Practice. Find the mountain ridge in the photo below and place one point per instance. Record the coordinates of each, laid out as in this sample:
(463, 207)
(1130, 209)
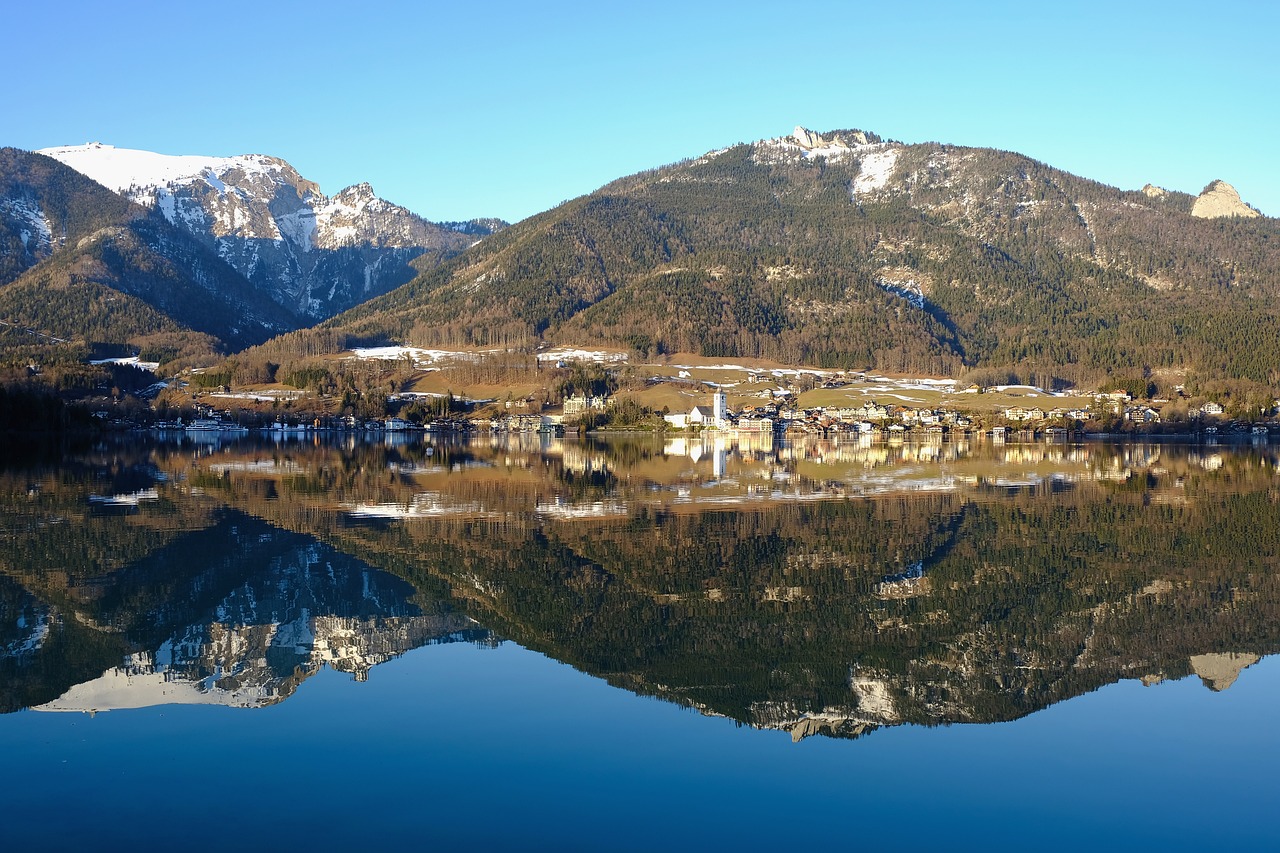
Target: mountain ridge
(315, 254)
(840, 249)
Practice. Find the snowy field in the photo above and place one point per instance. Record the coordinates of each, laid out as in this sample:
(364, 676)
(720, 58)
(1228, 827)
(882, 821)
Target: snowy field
(134, 361)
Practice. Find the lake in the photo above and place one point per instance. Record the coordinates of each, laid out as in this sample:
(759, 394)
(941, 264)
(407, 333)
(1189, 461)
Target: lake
(521, 642)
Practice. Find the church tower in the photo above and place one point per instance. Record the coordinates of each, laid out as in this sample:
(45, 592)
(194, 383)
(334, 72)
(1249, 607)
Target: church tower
(719, 408)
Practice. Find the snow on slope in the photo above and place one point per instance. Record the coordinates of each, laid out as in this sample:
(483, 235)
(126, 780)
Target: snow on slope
(876, 169)
(34, 230)
(875, 160)
(251, 196)
(122, 168)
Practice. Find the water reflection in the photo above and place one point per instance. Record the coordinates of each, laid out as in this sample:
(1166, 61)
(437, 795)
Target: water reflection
(818, 587)
(297, 610)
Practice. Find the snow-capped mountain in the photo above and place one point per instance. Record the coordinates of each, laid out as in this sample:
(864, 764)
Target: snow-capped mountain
(81, 262)
(316, 255)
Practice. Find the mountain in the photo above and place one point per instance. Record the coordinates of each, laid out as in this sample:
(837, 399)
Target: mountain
(843, 249)
(80, 263)
(313, 254)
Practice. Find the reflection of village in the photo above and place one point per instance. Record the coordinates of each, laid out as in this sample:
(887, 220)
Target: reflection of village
(473, 478)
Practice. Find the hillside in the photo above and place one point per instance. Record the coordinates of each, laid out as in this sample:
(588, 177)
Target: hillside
(845, 250)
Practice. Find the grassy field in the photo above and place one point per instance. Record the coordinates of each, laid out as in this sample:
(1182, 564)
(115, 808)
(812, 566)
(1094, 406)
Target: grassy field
(679, 382)
(857, 393)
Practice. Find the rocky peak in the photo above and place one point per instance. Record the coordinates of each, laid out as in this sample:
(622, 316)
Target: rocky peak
(806, 138)
(356, 195)
(1153, 191)
(810, 141)
(1220, 199)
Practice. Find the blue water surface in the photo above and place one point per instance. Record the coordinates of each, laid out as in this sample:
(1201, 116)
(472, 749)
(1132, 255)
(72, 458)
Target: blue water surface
(463, 746)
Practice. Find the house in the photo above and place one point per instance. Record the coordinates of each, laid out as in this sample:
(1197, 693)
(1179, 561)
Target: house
(1142, 415)
(874, 412)
(1017, 413)
(576, 407)
(755, 424)
(522, 423)
(1212, 408)
(703, 416)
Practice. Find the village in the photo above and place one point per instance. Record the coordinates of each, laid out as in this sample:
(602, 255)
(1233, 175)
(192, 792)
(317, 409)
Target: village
(1107, 413)
(682, 397)
(1113, 411)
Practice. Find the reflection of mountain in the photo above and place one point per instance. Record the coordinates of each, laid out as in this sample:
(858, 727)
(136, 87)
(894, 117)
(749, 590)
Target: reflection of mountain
(308, 609)
(128, 610)
(1035, 579)
(1040, 575)
(1220, 671)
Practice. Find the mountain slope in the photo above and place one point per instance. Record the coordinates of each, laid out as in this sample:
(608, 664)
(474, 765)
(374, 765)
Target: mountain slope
(82, 263)
(43, 205)
(842, 249)
(313, 254)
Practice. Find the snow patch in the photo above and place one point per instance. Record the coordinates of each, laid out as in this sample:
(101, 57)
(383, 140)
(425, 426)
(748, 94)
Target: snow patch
(421, 357)
(132, 499)
(908, 289)
(34, 230)
(423, 505)
(572, 354)
(299, 227)
(564, 510)
(876, 168)
(34, 638)
(131, 361)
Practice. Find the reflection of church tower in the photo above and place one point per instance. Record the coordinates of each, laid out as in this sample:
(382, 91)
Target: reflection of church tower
(719, 409)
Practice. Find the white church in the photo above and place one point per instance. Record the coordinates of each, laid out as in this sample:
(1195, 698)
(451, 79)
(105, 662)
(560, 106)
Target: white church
(715, 417)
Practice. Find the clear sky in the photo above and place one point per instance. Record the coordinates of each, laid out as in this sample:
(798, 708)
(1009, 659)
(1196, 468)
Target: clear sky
(460, 110)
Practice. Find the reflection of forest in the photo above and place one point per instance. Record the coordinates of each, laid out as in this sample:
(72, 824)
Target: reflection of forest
(817, 587)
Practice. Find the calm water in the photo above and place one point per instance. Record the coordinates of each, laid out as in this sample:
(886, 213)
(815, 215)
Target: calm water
(529, 644)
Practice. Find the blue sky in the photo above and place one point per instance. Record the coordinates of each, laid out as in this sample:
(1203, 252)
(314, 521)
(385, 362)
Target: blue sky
(507, 109)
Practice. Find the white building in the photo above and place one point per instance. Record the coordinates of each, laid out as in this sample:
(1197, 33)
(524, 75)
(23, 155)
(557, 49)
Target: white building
(715, 416)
